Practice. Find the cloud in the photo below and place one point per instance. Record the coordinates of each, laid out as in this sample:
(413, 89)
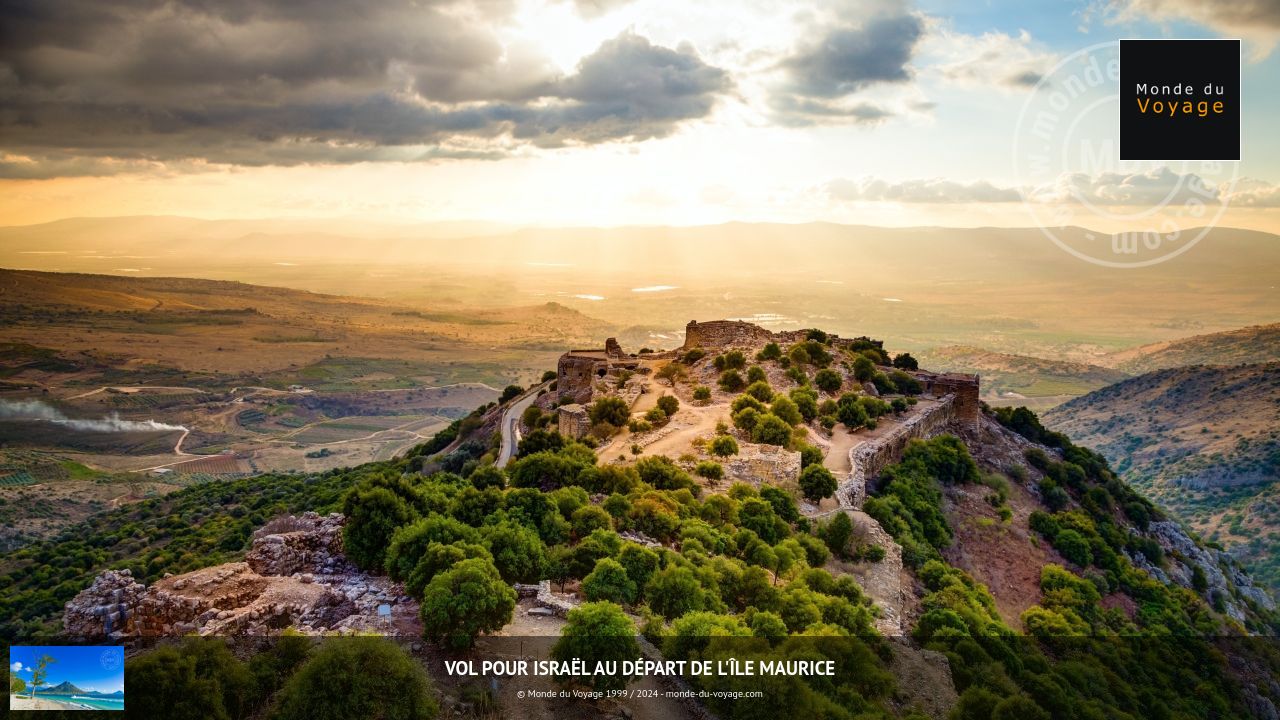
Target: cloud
(16, 666)
(934, 190)
(822, 75)
(992, 59)
(1252, 193)
(87, 88)
(1160, 186)
(849, 59)
(1254, 20)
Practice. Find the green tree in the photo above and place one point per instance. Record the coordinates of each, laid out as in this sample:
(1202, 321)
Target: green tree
(439, 557)
(863, 368)
(40, 672)
(487, 476)
(1073, 547)
(828, 381)
(195, 680)
(817, 482)
(409, 542)
(16, 684)
(597, 632)
(675, 591)
(756, 374)
(731, 381)
(786, 409)
(669, 404)
(609, 581)
(760, 390)
(518, 553)
(589, 518)
(724, 446)
(702, 393)
(373, 516)
(510, 392)
(357, 677)
(771, 351)
(836, 534)
(469, 599)
(904, 361)
(709, 470)
(610, 409)
(771, 430)
(661, 472)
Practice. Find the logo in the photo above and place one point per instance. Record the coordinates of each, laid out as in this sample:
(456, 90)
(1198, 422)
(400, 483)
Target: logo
(111, 658)
(1180, 99)
(1086, 192)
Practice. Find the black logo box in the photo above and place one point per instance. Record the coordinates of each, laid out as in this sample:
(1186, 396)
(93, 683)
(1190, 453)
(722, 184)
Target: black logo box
(1185, 64)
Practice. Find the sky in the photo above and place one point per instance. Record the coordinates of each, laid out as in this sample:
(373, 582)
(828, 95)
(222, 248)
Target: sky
(601, 112)
(90, 668)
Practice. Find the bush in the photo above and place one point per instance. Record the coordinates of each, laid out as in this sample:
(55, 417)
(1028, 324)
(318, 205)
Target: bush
(1074, 547)
(354, 677)
(828, 381)
(724, 446)
(589, 518)
(785, 408)
(410, 542)
(437, 558)
(669, 404)
(609, 581)
(771, 430)
(702, 393)
(373, 515)
(662, 473)
(731, 381)
(771, 351)
(518, 553)
(710, 470)
(817, 482)
(611, 410)
(760, 391)
(836, 534)
(487, 476)
(196, 680)
(460, 603)
(655, 416)
(510, 392)
(905, 362)
(755, 374)
(597, 632)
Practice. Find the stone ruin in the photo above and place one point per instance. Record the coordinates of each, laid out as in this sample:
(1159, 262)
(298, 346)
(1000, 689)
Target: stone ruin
(294, 575)
(573, 421)
(578, 371)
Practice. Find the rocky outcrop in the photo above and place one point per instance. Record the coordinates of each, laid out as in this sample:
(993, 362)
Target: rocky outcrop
(105, 608)
(760, 465)
(1186, 556)
(294, 545)
(294, 576)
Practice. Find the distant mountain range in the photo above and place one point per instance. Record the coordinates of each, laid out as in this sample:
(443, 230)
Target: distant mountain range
(62, 688)
(1255, 344)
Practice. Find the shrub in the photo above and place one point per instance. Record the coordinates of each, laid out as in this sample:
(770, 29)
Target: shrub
(669, 404)
(755, 374)
(1074, 547)
(655, 416)
(437, 558)
(373, 515)
(357, 677)
(702, 393)
(760, 391)
(510, 392)
(710, 470)
(597, 632)
(609, 581)
(836, 534)
(828, 381)
(785, 408)
(611, 410)
(589, 518)
(771, 430)
(731, 381)
(905, 362)
(770, 351)
(675, 591)
(518, 553)
(817, 482)
(487, 476)
(199, 679)
(662, 473)
(724, 446)
(460, 603)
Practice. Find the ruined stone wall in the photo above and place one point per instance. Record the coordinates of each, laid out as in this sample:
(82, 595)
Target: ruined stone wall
(724, 334)
(760, 465)
(573, 421)
(966, 389)
(869, 458)
(577, 373)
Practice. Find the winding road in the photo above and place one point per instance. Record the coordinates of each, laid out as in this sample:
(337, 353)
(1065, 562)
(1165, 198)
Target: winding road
(511, 420)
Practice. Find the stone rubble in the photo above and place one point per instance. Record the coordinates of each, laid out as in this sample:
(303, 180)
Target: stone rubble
(294, 575)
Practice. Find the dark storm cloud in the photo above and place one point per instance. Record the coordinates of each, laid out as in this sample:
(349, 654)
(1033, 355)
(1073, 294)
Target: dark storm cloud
(87, 84)
(844, 61)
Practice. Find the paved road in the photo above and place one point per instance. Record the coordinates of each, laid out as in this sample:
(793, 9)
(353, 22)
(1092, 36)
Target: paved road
(510, 419)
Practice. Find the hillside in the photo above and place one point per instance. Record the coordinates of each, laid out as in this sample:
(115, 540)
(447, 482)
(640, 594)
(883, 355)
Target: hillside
(1019, 379)
(1254, 344)
(1201, 440)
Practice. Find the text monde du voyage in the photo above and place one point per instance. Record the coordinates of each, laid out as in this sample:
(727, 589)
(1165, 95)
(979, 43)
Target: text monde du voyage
(639, 667)
(1179, 100)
